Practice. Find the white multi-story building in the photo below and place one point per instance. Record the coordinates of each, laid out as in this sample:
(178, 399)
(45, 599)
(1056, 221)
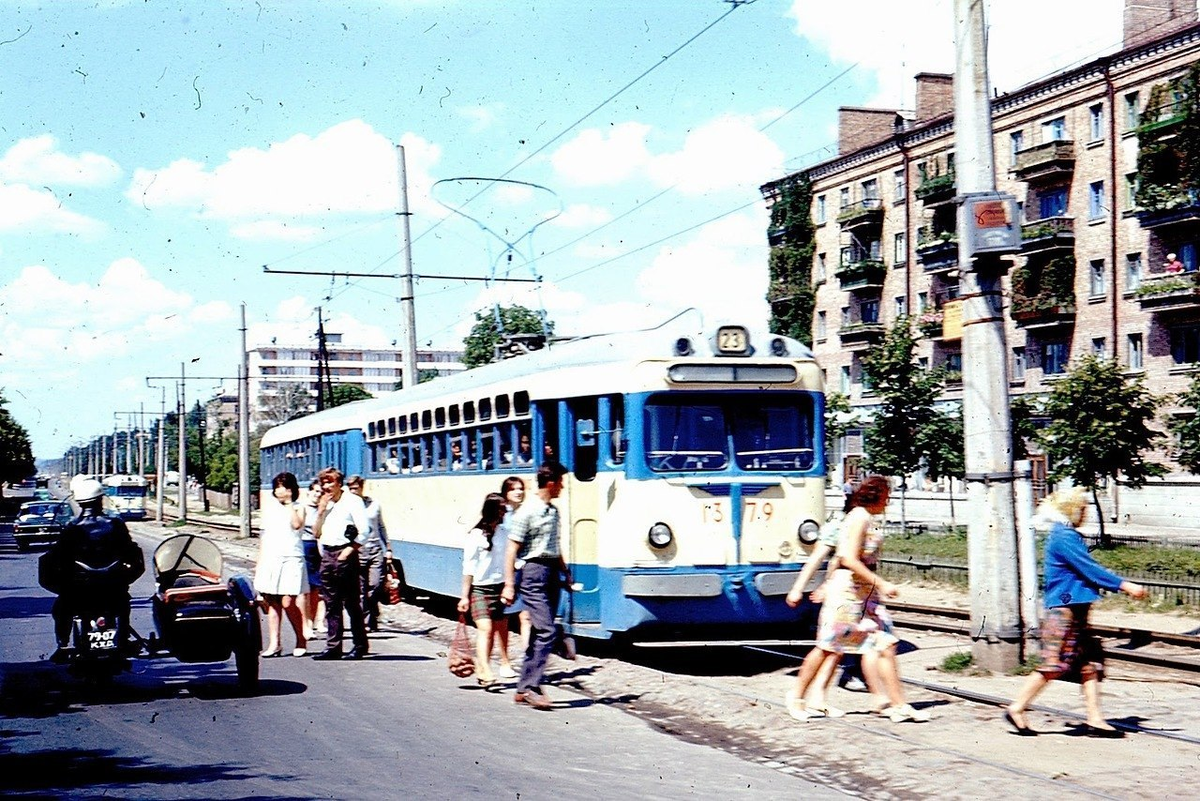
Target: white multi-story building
(282, 376)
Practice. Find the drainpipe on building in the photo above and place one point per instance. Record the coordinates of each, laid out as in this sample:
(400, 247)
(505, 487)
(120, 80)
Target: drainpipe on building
(1115, 217)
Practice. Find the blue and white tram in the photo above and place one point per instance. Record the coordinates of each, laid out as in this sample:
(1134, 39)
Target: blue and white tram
(125, 496)
(696, 456)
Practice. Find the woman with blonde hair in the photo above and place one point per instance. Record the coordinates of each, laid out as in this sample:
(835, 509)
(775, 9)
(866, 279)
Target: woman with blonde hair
(1073, 580)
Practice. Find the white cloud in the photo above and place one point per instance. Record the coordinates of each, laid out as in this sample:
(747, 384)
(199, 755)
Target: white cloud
(726, 153)
(293, 323)
(892, 42)
(582, 215)
(29, 210)
(349, 169)
(481, 117)
(275, 230)
(38, 161)
(594, 158)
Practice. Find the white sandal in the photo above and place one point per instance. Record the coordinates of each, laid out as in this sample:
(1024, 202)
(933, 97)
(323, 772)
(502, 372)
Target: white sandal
(798, 710)
(906, 714)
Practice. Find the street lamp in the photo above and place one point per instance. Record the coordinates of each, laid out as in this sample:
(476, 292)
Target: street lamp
(201, 424)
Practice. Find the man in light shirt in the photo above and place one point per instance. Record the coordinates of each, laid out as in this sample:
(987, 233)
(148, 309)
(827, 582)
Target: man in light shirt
(374, 556)
(341, 528)
(534, 535)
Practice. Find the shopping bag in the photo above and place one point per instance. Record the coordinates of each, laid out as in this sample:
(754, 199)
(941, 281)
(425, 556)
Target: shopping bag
(462, 659)
(391, 587)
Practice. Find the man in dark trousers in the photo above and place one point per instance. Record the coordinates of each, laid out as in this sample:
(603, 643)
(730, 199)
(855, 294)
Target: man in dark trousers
(341, 530)
(97, 541)
(534, 535)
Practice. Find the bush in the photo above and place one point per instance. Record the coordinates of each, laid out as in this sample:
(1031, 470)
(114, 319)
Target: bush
(957, 662)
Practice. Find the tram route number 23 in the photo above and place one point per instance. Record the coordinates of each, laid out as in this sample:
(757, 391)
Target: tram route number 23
(752, 512)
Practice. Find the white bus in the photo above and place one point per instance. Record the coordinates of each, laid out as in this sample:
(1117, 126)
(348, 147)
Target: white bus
(125, 496)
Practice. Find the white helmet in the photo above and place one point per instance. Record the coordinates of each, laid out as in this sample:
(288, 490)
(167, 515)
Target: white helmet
(86, 489)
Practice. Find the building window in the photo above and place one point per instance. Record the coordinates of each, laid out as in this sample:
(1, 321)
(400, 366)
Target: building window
(1096, 278)
(845, 315)
(1185, 344)
(1133, 271)
(1100, 347)
(1018, 367)
(901, 306)
(847, 257)
(923, 362)
(1054, 130)
(1096, 122)
(899, 249)
(869, 310)
(844, 197)
(822, 325)
(1131, 187)
(901, 186)
(1054, 357)
(1134, 351)
(870, 189)
(1096, 200)
(821, 267)
(1016, 141)
(1131, 111)
(845, 385)
(922, 301)
(820, 209)
(1053, 203)
(954, 363)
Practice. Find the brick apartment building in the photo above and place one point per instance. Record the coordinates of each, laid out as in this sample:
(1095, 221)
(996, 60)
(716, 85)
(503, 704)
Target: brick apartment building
(1091, 276)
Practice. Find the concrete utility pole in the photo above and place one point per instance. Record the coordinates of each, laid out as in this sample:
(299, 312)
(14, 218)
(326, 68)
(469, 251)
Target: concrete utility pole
(181, 411)
(995, 610)
(408, 313)
(160, 462)
(244, 488)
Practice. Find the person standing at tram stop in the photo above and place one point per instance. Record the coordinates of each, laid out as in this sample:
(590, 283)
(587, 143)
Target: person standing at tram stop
(374, 554)
(513, 492)
(341, 530)
(482, 582)
(280, 573)
(1073, 580)
(534, 535)
(853, 619)
(311, 602)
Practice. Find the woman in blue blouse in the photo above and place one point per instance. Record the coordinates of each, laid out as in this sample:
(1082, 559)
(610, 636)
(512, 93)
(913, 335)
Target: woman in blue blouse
(1073, 581)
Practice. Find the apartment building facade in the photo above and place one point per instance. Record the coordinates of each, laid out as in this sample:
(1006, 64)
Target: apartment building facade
(1093, 274)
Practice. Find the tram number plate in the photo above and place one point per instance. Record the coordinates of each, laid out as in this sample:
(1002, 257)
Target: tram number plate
(733, 339)
(752, 512)
(102, 640)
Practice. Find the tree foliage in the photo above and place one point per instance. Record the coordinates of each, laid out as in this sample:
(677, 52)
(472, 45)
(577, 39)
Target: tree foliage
(838, 420)
(943, 444)
(1186, 428)
(1169, 144)
(479, 346)
(790, 291)
(1022, 411)
(347, 393)
(16, 453)
(896, 438)
(1100, 428)
(288, 402)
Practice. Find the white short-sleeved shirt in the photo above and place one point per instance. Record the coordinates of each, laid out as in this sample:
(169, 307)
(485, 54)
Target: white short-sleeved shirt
(348, 510)
(486, 567)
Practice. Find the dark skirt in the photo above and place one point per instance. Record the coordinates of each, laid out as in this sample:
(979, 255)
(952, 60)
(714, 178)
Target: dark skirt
(486, 603)
(1070, 650)
(312, 563)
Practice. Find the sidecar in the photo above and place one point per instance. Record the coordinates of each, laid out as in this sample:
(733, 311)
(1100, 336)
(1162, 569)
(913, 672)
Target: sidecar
(198, 616)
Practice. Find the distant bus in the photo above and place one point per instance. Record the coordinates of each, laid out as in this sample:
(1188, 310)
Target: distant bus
(125, 496)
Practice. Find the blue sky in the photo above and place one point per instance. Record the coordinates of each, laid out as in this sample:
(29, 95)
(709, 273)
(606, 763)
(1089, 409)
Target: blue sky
(154, 156)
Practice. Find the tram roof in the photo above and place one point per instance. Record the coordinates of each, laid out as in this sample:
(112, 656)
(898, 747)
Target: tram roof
(585, 351)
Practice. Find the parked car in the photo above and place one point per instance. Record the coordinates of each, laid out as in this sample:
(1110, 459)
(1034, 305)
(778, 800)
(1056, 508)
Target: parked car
(41, 521)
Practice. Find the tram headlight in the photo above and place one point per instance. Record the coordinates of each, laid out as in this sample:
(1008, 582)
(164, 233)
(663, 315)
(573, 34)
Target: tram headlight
(660, 536)
(779, 347)
(683, 347)
(809, 531)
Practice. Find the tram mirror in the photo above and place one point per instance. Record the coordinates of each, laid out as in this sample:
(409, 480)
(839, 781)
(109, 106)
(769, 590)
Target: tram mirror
(585, 433)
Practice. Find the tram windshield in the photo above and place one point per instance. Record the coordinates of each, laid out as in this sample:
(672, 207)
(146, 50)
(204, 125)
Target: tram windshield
(766, 433)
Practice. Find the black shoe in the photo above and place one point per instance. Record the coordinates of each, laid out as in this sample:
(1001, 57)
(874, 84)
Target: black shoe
(1021, 731)
(373, 626)
(1107, 734)
(329, 654)
(60, 656)
(357, 653)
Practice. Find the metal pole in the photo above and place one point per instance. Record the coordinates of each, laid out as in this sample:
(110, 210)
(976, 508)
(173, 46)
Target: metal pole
(244, 488)
(182, 443)
(408, 314)
(991, 538)
(160, 462)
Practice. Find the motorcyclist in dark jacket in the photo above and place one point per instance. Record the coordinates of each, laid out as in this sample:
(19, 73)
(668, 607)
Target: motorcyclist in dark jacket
(97, 541)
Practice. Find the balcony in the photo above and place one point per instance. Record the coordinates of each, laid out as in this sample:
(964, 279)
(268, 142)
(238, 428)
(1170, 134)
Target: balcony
(1047, 160)
(1048, 233)
(1165, 206)
(1163, 121)
(930, 323)
(864, 212)
(1041, 312)
(780, 234)
(1169, 292)
(864, 274)
(937, 189)
(860, 335)
(937, 252)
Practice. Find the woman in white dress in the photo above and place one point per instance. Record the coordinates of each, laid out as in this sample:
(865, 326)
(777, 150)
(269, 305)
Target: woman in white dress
(281, 576)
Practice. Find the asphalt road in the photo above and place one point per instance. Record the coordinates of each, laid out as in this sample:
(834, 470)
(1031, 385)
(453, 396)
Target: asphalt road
(395, 725)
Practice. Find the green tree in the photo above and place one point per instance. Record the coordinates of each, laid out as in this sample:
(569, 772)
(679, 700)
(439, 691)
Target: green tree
(907, 393)
(790, 291)
(838, 420)
(347, 393)
(16, 453)
(943, 443)
(422, 377)
(1186, 428)
(1100, 429)
(1022, 411)
(479, 346)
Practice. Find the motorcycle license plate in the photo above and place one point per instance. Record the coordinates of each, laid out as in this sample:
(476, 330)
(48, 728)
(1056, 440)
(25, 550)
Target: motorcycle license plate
(102, 640)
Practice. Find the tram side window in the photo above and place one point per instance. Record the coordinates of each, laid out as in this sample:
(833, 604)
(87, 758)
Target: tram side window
(685, 437)
(773, 435)
(620, 443)
(545, 441)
